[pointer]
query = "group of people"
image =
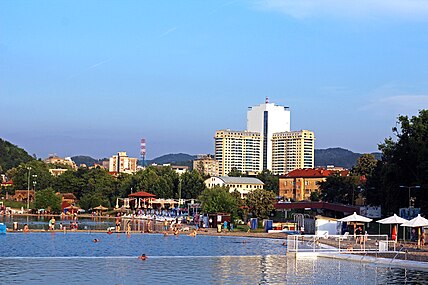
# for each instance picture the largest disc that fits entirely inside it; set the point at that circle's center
(415, 237)
(4, 211)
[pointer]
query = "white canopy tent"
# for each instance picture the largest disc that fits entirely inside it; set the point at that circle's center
(393, 220)
(417, 222)
(355, 218)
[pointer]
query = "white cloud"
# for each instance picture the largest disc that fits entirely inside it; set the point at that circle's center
(398, 105)
(169, 31)
(407, 9)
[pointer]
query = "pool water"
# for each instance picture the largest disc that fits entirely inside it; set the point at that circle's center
(73, 258)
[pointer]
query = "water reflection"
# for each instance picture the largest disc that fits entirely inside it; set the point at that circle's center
(197, 270)
(73, 258)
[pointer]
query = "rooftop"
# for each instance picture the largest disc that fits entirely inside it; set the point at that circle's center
(241, 180)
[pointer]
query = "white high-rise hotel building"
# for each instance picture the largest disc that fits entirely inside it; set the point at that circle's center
(266, 144)
(268, 119)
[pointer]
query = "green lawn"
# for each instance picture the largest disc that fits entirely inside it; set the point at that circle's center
(16, 205)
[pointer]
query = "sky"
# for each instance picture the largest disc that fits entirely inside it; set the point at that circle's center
(89, 77)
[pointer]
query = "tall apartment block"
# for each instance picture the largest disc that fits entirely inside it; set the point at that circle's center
(268, 119)
(238, 149)
(121, 163)
(292, 150)
(206, 165)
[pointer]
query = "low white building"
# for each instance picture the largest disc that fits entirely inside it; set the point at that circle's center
(243, 185)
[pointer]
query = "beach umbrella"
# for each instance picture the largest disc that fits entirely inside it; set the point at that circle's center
(355, 218)
(100, 208)
(417, 222)
(72, 208)
(393, 220)
(394, 233)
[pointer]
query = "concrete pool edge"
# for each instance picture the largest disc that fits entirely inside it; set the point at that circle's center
(408, 264)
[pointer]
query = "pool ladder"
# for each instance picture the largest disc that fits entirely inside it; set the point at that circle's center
(399, 251)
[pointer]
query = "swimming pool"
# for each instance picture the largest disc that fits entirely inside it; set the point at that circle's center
(73, 258)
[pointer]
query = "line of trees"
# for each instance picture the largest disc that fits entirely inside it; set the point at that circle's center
(404, 163)
(96, 186)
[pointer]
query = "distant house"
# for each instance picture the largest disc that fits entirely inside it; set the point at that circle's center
(206, 165)
(67, 199)
(243, 185)
(57, 171)
(179, 169)
(22, 195)
(300, 183)
(54, 159)
(121, 163)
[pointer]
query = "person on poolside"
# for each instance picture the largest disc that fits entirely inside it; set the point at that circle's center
(193, 234)
(118, 222)
(128, 228)
(358, 232)
(143, 256)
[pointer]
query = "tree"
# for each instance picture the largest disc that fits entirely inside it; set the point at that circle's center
(235, 172)
(218, 200)
(163, 181)
(315, 196)
(192, 184)
(365, 165)
(339, 189)
(270, 180)
(46, 199)
(260, 202)
(11, 156)
(39, 172)
(404, 162)
(69, 182)
(91, 200)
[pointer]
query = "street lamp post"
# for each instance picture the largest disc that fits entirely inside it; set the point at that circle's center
(179, 192)
(410, 187)
(28, 189)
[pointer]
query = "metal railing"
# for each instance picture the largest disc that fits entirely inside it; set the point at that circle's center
(340, 243)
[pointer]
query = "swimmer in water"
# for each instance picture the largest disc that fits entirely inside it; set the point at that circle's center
(96, 240)
(143, 257)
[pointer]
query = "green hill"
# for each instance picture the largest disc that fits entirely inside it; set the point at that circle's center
(11, 156)
(87, 160)
(182, 159)
(338, 157)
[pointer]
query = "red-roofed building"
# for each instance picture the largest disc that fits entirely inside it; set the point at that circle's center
(300, 183)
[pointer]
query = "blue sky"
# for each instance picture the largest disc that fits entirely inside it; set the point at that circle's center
(93, 77)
